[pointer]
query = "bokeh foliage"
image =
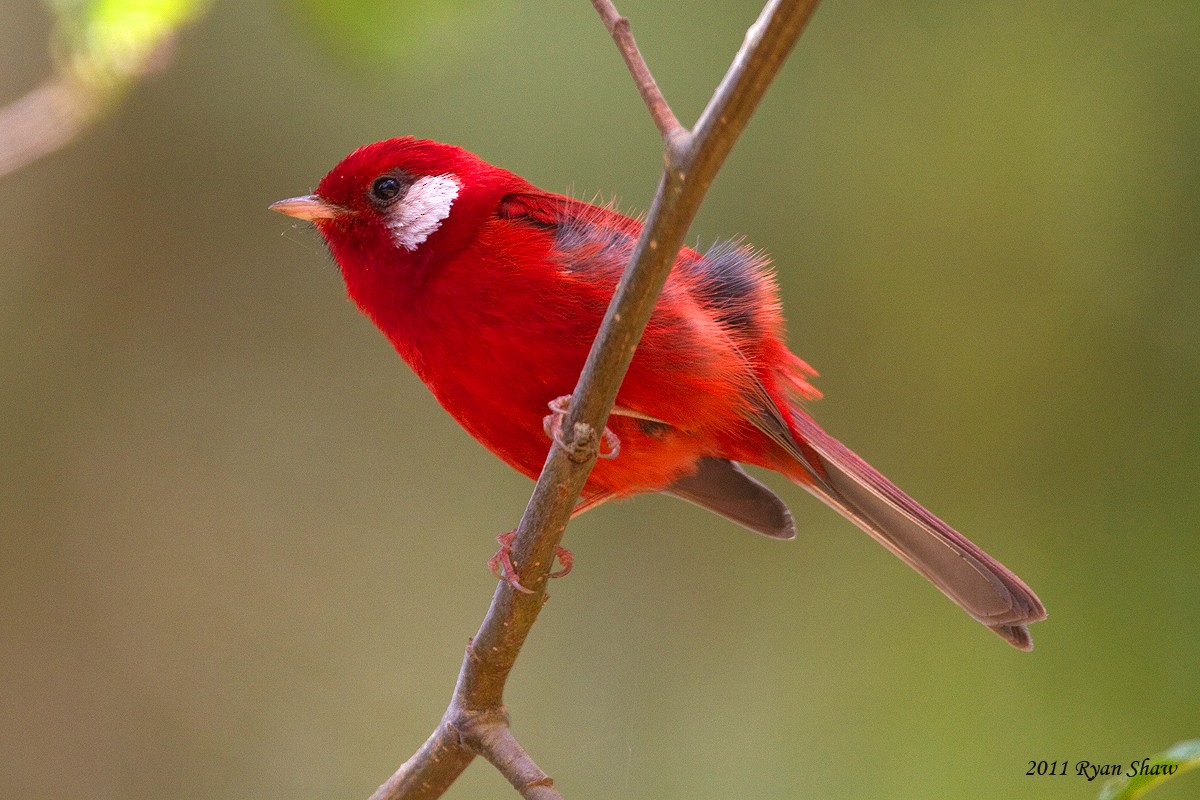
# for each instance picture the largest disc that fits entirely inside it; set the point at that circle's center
(107, 43)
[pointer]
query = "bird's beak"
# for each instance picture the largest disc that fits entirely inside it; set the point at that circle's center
(309, 207)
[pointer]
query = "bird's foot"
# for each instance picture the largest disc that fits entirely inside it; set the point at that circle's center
(609, 447)
(502, 567)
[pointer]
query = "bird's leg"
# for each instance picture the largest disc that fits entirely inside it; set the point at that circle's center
(502, 567)
(552, 424)
(501, 564)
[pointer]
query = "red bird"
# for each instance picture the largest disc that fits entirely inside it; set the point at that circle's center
(492, 290)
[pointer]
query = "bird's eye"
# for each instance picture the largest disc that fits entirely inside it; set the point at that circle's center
(385, 189)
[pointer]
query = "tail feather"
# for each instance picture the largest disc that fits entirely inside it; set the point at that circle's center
(724, 488)
(982, 586)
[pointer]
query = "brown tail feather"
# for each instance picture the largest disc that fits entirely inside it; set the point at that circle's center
(724, 488)
(982, 586)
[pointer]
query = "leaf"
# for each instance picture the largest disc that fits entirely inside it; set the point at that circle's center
(1151, 772)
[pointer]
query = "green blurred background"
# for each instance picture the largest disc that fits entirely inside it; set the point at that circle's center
(242, 547)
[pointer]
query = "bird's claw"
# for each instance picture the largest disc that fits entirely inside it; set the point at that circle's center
(502, 567)
(552, 424)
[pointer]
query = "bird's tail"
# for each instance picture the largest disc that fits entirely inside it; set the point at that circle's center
(982, 586)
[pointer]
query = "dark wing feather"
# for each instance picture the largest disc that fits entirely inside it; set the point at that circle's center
(572, 222)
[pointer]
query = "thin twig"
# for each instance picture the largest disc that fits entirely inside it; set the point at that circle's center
(692, 162)
(475, 722)
(430, 770)
(668, 124)
(460, 737)
(497, 744)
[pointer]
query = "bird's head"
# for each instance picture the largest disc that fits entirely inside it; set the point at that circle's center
(404, 201)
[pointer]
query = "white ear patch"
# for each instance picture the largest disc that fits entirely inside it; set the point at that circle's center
(421, 210)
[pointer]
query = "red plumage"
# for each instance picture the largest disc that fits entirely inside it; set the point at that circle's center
(492, 290)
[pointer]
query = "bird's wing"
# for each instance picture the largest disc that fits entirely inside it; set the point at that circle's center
(731, 281)
(564, 216)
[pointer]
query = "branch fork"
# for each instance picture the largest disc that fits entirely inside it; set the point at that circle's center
(476, 721)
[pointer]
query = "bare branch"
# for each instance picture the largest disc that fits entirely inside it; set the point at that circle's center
(460, 737)
(475, 722)
(692, 162)
(497, 744)
(660, 111)
(767, 44)
(431, 770)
